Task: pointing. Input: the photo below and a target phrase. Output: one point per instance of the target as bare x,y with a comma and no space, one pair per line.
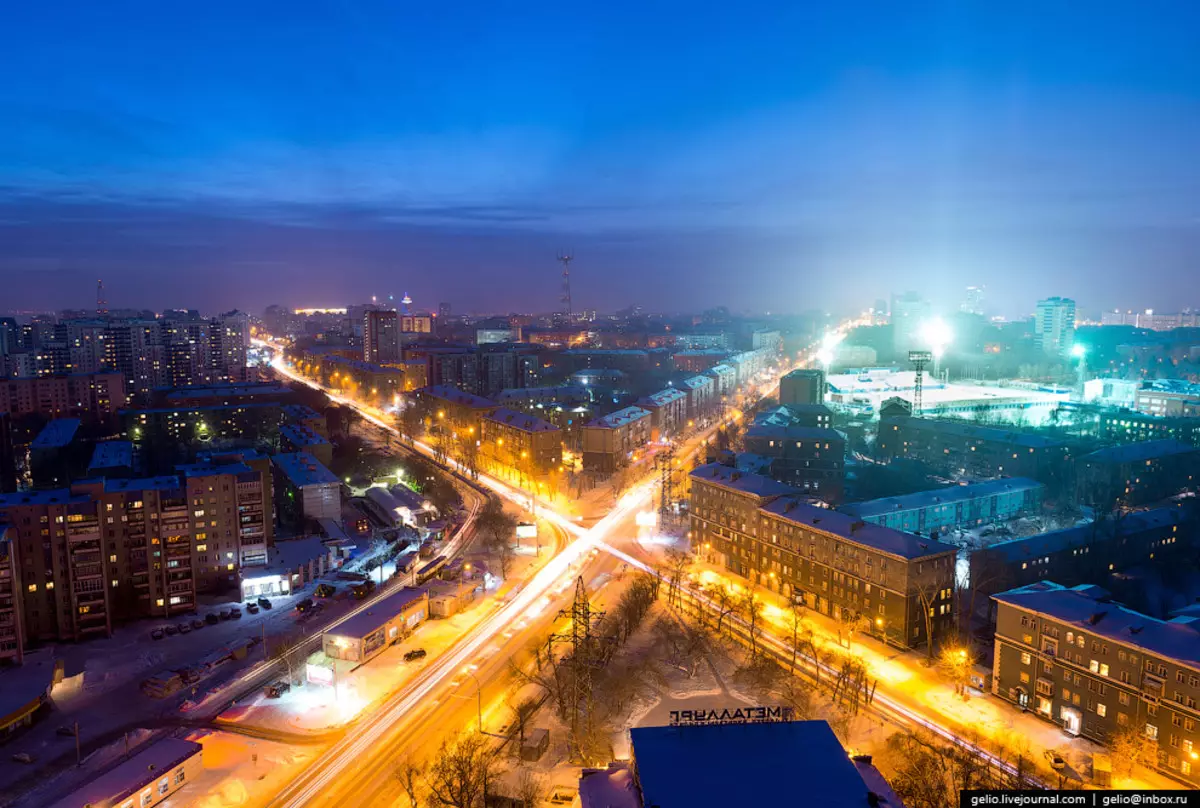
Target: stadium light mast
919,359
938,336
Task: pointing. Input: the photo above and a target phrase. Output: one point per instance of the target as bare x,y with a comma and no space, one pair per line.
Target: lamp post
478,696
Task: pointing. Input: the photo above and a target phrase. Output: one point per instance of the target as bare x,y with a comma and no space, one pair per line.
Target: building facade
959,506
1054,325
802,386
897,586
522,442
95,397
1136,473
609,443
811,459
1097,669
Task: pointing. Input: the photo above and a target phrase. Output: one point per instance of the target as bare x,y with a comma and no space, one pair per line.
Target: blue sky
763,155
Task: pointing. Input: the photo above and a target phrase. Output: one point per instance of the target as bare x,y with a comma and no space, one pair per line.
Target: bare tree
677,563
462,772
531,789
1131,749
523,711
751,609
797,627
931,773
408,774
725,605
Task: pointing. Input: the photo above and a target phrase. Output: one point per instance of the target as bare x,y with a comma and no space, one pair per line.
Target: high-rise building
909,312
444,310
1054,325
381,337
972,301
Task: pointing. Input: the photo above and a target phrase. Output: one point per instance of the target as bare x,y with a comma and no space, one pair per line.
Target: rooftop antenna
566,258
101,304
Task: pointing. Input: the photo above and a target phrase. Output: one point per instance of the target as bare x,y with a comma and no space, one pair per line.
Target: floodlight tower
936,334
919,359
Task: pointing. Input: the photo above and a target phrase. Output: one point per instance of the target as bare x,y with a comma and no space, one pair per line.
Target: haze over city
239,156
617,406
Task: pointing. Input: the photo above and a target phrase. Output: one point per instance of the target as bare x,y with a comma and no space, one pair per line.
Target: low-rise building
1168,397
958,506
1127,426
609,442
725,378
811,459
698,360
701,397
443,407
223,395
1136,473
894,585
55,458
1079,660
367,634
803,386
305,489
289,566
150,776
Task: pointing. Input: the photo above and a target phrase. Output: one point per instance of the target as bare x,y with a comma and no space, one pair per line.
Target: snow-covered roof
789,433
697,382
1089,608
301,435
147,766
452,394
734,480
520,420
111,454
940,496
851,529
662,398
380,613
56,434
1139,452
620,418
988,433
302,469
1056,541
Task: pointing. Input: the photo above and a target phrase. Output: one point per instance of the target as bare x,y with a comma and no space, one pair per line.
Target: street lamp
478,695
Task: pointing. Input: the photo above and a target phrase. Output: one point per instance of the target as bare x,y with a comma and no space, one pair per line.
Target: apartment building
444,406
895,585
1168,397
609,442
802,386
521,442
701,397
668,412
296,437
12,641
1136,473
95,397
1077,659
978,452
1127,426
381,336
103,551
809,458
955,506
1086,553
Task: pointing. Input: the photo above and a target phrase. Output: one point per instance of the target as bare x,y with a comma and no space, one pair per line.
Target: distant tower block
101,303
565,259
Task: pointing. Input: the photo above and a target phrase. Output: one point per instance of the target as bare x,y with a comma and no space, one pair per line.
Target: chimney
855,525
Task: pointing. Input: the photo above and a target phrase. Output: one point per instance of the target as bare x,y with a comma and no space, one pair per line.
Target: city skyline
929,148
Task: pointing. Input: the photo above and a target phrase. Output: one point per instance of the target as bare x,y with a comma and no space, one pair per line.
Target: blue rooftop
1138,452
940,496
57,434
301,435
111,454
722,765
303,469
620,418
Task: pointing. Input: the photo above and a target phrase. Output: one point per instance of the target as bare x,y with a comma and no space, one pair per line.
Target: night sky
766,156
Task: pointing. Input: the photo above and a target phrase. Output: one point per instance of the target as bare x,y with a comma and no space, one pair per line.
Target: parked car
414,655
184,628
265,603
226,614
325,590
252,608
235,613
157,634
211,619
1057,762
361,590
23,757
305,605
171,631
277,689
198,623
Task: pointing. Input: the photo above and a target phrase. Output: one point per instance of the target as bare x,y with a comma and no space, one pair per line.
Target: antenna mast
565,259
101,304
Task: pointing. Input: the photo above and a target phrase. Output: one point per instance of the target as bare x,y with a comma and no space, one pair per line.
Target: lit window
33,587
